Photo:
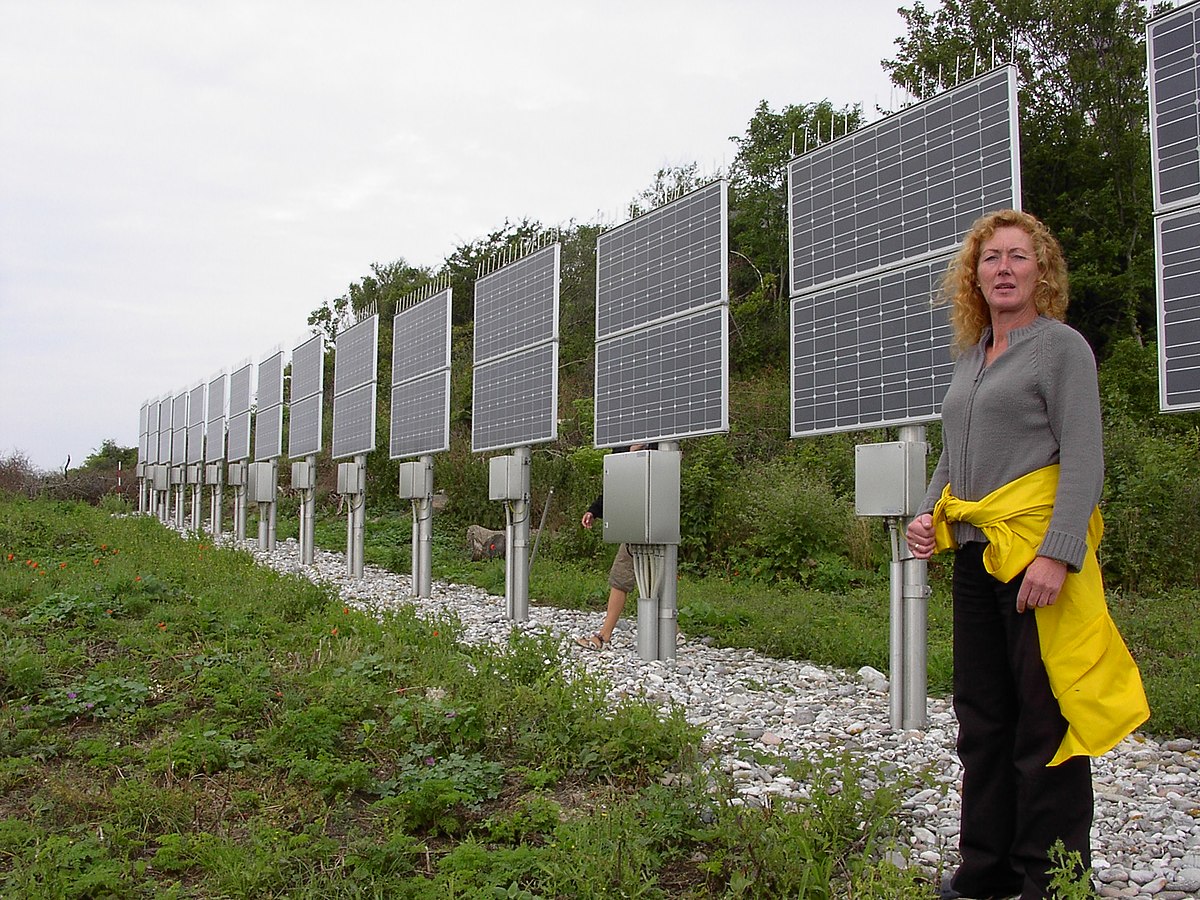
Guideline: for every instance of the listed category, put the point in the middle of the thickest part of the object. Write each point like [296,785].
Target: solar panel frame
[421,338]
[304,426]
[871,350]
[143,431]
[516,306]
[268,433]
[241,390]
[652,267]
[354,421]
[514,400]
[662,343]
[195,425]
[270,381]
[420,409]
[214,415]
[308,368]
[154,414]
[866,203]
[656,399]
[238,437]
[1177,248]
[179,420]
[1173,69]
[356,357]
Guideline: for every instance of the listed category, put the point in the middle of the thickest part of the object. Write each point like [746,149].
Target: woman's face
[1008,273]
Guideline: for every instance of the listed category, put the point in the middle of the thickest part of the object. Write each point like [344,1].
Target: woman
[1015,493]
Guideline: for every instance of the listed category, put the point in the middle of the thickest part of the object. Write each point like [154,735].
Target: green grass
[176,721]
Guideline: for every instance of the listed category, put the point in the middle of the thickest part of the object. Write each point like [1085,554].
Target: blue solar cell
[1177,236]
[239,437]
[421,416]
[268,433]
[515,400]
[270,381]
[421,338]
[354,421]
[241,390]
[1174,113]
[308,368]
[356,357]
[516,307]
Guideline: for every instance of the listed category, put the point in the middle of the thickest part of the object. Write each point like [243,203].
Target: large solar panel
[195,425]
[420,416]
[355,368]
[355,360]
[153,413]
[307,409]
[164,430]
[241,390]
[514,401]
[871,350]
[516,306]
[308,368]
[268,433]
[1177,240]
[664,263]
[420,402]
[239,437]
[906,186]
[1171,45]
[270,381]
[143,432]
[664,382]
[214,448]
[515,398]
[354,421]
[662,347]
[179,420]
[874,219]
[304,426]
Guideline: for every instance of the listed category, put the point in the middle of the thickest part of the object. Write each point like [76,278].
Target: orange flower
[333,631]
[345,610]
[138,578]
[10,557]
[95,562]
[104,546]
[162,626]
[62,565]
[435,634]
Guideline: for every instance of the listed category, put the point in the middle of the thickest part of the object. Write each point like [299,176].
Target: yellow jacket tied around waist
[1092,674]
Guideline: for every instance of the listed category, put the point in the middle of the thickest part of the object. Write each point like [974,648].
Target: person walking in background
[1042,679]
[621,578]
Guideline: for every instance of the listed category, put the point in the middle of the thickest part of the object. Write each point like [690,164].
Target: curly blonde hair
[960,285]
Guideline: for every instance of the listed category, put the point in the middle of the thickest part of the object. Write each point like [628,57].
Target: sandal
[595,641]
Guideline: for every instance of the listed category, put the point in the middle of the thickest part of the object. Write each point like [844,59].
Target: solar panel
[514,401]
[304,426]
[663,263]
[143,431]
[421,416]
[354,421]
[1171,45]
[154,414]
[420,401]
[421,338]
[662,348]
[214,448]
[179,420]
[164,430]
[874,220]
[195,424]
[270,381]
[665,382]
[872,350]
[241,390]
[268,433]
[1177,240]
[239,437]
[355,360]
[308,368]
[516,306]
[907,186]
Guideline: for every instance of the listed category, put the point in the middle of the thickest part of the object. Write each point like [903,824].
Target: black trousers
[1013,807]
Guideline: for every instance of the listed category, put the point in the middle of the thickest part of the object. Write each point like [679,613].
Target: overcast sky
[181,184]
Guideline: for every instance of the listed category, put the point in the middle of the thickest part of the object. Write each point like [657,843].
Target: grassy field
[179,722]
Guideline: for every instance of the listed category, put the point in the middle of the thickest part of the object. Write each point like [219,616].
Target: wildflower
[10,557]
[108,612]
[435,634]
[345,610]
[104,546]
[333,631]
[115,551]
[95,562]
[71,695]
[162,626]
[138,578]
[429,760]
[62,565]
[88,705]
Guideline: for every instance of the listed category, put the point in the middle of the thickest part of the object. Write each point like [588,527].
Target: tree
[1084,137]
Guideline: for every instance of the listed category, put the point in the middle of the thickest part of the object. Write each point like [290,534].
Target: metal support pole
[239,503]
[519,548]
[197,491]
[273,506]
[308,517]
[668,604]
[218,507]
[358,522]
[262,526]
[423,535]
[915,596]
[896,666]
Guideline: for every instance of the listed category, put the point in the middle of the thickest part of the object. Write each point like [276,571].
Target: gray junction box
[212,473]
[889,478]
[505,478]
[415,481]
[641,497]
[350,479]
[304,476]
[261,482]
[195,474]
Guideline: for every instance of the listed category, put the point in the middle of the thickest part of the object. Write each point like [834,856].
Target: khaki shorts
[621,574]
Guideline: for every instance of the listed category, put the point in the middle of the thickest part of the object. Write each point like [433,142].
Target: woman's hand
[919,535]
[1043,580]
[587,520]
